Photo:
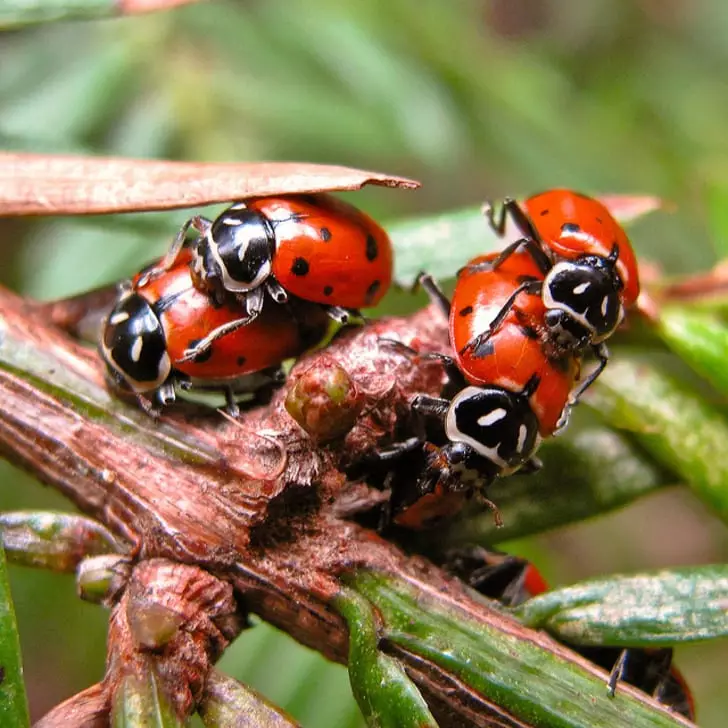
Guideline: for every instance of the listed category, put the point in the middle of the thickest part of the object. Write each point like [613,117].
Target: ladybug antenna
[613,255]
[531,385]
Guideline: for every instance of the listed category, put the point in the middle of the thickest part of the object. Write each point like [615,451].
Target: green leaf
[386,696]
[139,702]
[513,671]
[644,610]
[671,422]
[227,702]
[13,703]
[53,540]
[587,470]
[701,340]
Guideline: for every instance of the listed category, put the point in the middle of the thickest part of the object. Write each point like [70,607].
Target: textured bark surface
[247,521]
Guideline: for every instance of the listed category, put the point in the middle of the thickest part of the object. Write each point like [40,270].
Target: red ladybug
[149,338]
[588,266]
[504,394]
[511,581]
[499,335]
[313,246]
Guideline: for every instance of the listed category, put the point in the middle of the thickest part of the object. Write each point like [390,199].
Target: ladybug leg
[531,246]
[602,354]
[277,292]
[617,672]
[448,363]
[530,287]
[434,407]
[532,465]
[509,208]
[231,404]
[341,315]
[203,345]
[197,223]
[433,290]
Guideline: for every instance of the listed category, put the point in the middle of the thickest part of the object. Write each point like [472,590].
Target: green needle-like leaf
[701,340]
[673,423]
[519,674]
[229,703]
[138,702]
[53,540]
[13,703]
[386,696]
[659,609]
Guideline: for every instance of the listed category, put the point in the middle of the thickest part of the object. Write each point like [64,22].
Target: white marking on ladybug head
[119,317]
[605,305]
[581,288]
[522,435]
[232,221]
[136,349]
[491,418]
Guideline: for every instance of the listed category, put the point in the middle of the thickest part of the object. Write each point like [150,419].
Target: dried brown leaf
[40,184]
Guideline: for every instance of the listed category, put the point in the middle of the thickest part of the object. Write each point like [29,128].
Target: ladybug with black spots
[502,396]
[587,264]
[315,247]
[511,581]
[149,340]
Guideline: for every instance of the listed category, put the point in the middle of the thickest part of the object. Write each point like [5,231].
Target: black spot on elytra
[300,267]
[240,361]
[529,332]
[483,349]
[328,290]
[465,311]
[372,248]
[325,234]
[372,291]
[599,220]
[570,227]
[545,212]
[203,356]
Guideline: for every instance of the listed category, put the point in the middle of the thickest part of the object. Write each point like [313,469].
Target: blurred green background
[475,99]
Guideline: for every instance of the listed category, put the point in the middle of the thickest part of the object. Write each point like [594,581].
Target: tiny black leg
[435,407]
[602,354]
[198,223]
[433,290]
[532,465]
[397,450]
[617,672]
[277,292]
[532,248]
[509,208]
[231,404]
[342,315]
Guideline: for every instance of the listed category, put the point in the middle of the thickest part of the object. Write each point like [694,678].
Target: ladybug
[148,340]
[512,580]
[501,399]
[315,247]
[589,268]
[499,335]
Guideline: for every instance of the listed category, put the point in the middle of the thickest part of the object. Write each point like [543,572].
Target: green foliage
[477,100]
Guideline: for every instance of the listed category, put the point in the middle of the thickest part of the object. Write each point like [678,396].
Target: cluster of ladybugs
[259,282]
[258,285]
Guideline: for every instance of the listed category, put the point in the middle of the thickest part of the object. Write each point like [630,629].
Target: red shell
[274,336]
[519,348]
[597,232]
[327,251]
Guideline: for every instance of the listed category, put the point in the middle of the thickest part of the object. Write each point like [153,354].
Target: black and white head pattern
[133,344]
[587,291]
[499,425]
[241,243]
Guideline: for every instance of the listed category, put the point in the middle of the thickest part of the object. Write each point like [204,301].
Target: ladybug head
[584,300]
[492,430]
[133,344]
[237,251]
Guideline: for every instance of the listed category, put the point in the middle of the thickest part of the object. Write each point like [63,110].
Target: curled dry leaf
[40,184]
